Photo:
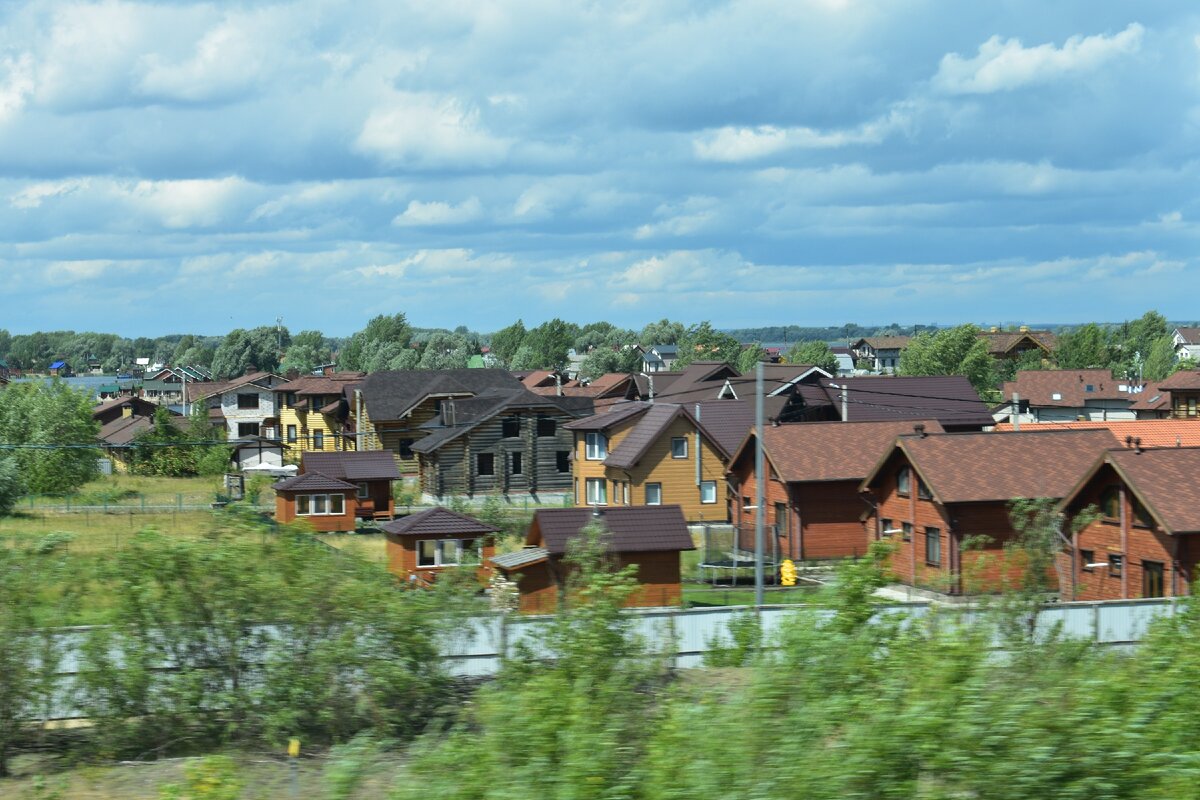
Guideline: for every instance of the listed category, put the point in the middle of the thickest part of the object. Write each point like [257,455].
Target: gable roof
[702,380]
[137,403]
[320,384]
[1187,379]
[353,465]
[950,399]
[393,394]
[631,529]
[1156,477]
[1189,335]
[123,430]
[982,467]
[470,412]
[615,415]
[437,521]
[829,451]
[882,342]
[201,390]
[647,431]
[1066,388]
[313,482]
[1151,398]
[1003,342]
[1152,432]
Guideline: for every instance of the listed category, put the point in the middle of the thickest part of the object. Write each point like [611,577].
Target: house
[1151,403]
[257,453]
[845,360]
[503,441]
[242,406]
[651,454]
[1151,432]
[60,369]
[421,545]
[1064,395]
[944,500]
[659,357]
[704,381]
[388,409]
[123,407]
[813,509]
[949,399]
[121,420]
[1142,513]
[334,490]
[1184,390]
[314,411]
[1011,345]
[881,353]
[649,538]
[1187,343]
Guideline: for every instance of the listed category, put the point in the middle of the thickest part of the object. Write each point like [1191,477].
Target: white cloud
[16,84]
[426,130]
[34,195]
[439,213]
[187,203]
[69,272]
[734,144]
[1005,64]
[227,59]
[691,216]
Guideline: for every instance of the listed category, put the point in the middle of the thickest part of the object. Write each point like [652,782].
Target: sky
[195,167]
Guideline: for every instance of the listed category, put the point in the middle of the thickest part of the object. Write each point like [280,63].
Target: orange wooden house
[424,544]
[648,537]
[334,490]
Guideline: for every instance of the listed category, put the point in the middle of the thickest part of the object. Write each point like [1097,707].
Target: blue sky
[181,166]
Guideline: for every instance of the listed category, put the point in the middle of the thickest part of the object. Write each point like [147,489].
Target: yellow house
[648,454]
[313,413]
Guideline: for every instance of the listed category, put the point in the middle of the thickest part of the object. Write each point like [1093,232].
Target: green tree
[952,351]
[1160,361]
[381,342]
[663,332]
[307,351]
[749,357]
[1086,347]
[816,353]
[507,341]
[249,350]
[52,428]
[11,485]
[702,342]
[549,343]
[445,351]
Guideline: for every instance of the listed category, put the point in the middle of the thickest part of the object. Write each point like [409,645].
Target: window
[885,527]
[679,447]
[654,494]
[318,440]
[510,427]
[625,492]
[320,505]
[406,451]
[562,460]
[1089,388]
[1141,517]
[247,401]
[596,447]
[906,530]
[1152,579]
[485,464]
[781,519]
[1115,563]
[597,492]
[427,553]
[923,490]
[439,553]
[291,399]
[247,429]
[1110,503]
[708,491]
[904,480]
[546,426]
[471,553]
[291,434]
[1086,557]
[515,463]
[933,546]
[363,491]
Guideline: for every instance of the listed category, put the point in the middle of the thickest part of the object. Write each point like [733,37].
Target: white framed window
[439,553]
[679,447]
[596,491]
[654,494]
[708,491]
[596,447]
[315,505]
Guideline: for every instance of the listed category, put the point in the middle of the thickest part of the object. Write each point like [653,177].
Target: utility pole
[758,485]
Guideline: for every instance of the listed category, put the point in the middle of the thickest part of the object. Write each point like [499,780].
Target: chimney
[1137,444]
[1129,441]
[919,429]
[127,410]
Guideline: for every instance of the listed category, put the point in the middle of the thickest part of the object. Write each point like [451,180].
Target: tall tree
[550,342]
[953,351]
[705,343]
[1160,361]
[386,331]
[816,353]
[445,351]
[53,428]
[1086,347]
[663,332]
[507,341]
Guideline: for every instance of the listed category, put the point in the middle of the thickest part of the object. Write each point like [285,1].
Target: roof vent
[1137,444]
[919,428]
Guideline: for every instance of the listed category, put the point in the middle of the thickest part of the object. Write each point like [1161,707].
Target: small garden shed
[421,545]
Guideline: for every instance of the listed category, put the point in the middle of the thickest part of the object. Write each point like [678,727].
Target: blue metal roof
[58,365]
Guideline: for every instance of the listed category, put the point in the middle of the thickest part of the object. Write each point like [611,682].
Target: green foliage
[249,350]
[382,344]
[47,417]
[210,778]
[446,351]
[816,353]
[307,351]
[349,763]
[704,343]
[11,485]
[742,645]
[548,344]
[506,341]
[1086,347]
[1160,362]
[663,332]
[953,351]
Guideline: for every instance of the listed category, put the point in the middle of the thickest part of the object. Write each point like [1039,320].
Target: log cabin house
[650,538]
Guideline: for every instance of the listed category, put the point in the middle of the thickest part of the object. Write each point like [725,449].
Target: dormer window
[1056,396]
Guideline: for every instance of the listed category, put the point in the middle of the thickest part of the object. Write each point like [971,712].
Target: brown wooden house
[648,537]
[371,473]
[326,503]
[812,505]
[424,544]
[1143,541]
[935,494]
[507,442]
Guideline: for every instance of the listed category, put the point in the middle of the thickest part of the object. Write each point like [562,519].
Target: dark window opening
[406,451]
[906,530]
[1115,565]
[1110,503]
[562,460]
[510,427]
[1152,579]
[516,463]
[1086,557]
[904,481]
[485,464]
[247,429]
[247,401]
[291,434]
[318,440]
[933,546]
[546,426]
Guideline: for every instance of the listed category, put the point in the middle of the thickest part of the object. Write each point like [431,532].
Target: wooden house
[651,454]
[334,490]
[650,538]
[424,544]
[121,420]
[1142,509]
[1011,345]
[812,507]
[945,500]
[389,409]
[1067,395]
[314,412]
[503,442]
[60,369]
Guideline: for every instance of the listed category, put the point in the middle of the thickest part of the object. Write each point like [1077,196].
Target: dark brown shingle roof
[1066,388]
[1165,481]
[949,399]
[313,482]
[832,451]
[364,465]
[630,528]
[438,522]
[1184,379]
[391,395]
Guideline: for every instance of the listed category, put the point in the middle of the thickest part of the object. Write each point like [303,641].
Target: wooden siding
[657,578]
[454,468]
[285,511]
[676,475]
[402,557]
[307,423]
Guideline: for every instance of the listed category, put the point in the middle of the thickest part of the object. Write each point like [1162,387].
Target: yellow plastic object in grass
[787,573]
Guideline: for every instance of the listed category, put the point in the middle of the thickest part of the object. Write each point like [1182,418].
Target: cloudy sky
[180,166]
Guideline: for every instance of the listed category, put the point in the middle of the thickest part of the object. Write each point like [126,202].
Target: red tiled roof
[1152,432]
[980,467]
[630,528]
[832,451]
[437,522]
